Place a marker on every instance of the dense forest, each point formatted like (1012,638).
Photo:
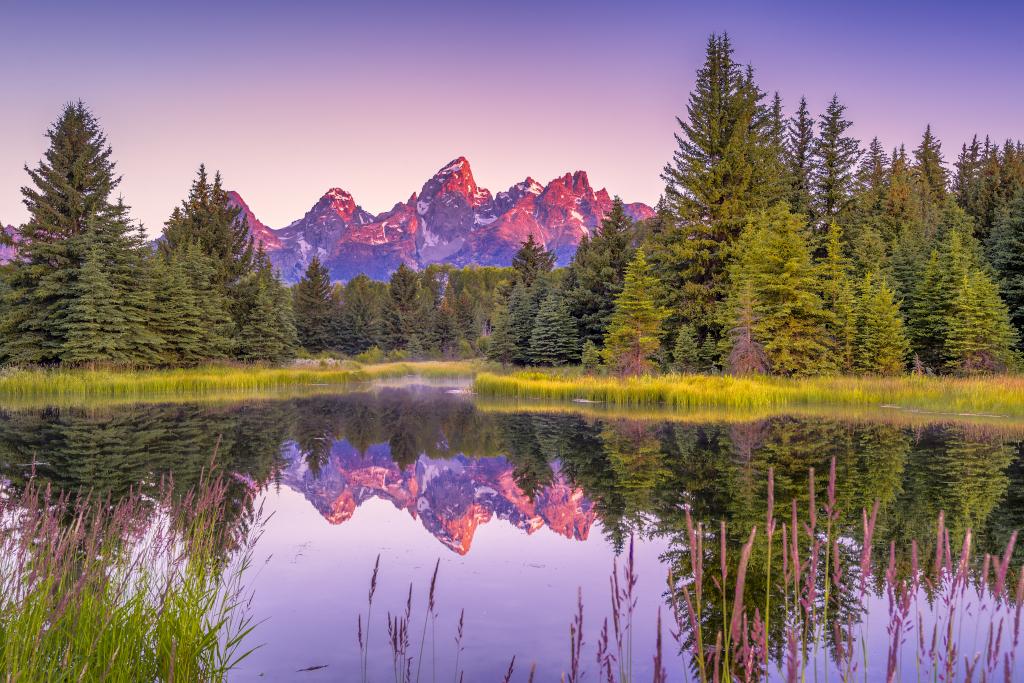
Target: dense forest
(781,245)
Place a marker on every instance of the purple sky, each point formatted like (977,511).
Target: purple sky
(289,99)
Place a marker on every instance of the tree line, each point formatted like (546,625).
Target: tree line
(87,288)
(783,245)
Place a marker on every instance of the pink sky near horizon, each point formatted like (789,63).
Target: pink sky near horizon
(288,101)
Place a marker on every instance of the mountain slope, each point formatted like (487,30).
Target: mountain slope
(451,220)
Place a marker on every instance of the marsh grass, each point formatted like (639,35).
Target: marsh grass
(61,385)
(986,396)
(144,589)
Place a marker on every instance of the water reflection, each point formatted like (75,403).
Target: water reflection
(443,459)
(454,466)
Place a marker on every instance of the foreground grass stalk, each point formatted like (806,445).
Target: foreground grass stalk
(144,589)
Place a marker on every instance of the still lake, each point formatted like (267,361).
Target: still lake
(523,509)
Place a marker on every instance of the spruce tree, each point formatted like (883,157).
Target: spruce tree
(70,194)
(532,261)
(177,313)
(553,340)
(597,272)
(266,331)
(208,218)
(774,291)
(980,338)
(930,309)
(501,346)
(724,167)
(835,159)
(836,291)
(881,345)
(523,304)
(929,166)
(634,334)
(1006,251)
(217,328)
(590,358)
(686,353)
(800,155)
(358,324)
(313,306)
(403,312)
(94,327)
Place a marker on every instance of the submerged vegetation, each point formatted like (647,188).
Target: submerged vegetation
(140,589)
(1003,395)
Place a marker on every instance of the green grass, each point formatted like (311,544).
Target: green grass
(60,385)
(999,395)
(140,590)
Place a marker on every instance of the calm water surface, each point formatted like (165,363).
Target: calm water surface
(524,511)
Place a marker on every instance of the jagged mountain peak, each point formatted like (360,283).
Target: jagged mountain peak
(450,220)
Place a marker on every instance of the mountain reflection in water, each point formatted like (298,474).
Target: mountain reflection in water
(454,467)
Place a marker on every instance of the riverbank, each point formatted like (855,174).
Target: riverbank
(61,385)
(982,397)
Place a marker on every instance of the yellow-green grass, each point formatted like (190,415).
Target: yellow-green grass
(943,396)
(982,425)
(20,386)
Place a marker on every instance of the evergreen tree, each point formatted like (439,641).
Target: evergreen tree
(967,179)
(686,353)
(590,359)
(267,331)
(774,292)
(532,261)
(177,314)
(403,314)
(931,308)
(444,329)
(882,344)
(501,347)
(800,156)
(523,305)
(358,322)
(554,340)
(837,295)
(209,219)
(313,305)
(94,327)
(597,272)
(835,158)
(725,166)
(980,338)
(929,166)
(70,194)
(746,352)
(1006,251)
(217,328)
(634,333)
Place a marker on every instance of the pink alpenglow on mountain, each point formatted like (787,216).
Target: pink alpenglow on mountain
(451,220)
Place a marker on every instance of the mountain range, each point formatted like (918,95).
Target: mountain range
(450,497)
(450,220)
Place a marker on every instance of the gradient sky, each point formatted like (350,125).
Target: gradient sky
(288,99)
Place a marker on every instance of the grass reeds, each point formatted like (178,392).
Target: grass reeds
(84,384)
(998,395)
(139,590)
